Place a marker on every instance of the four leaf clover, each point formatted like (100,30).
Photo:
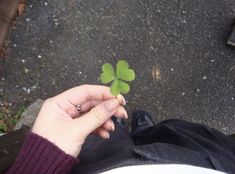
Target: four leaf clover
(119,78)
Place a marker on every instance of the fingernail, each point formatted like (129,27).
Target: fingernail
(111,105)
(112,127)
(121,99)
(125,114)
(107,135)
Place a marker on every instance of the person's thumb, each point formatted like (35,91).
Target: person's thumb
(96,116)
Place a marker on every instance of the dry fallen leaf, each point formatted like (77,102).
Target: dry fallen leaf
(21,9)
(156,74)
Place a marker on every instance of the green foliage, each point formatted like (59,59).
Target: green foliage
(9,117)
(119,78)
(16,117)
(3,127)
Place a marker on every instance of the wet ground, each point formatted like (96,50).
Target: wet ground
(178,48)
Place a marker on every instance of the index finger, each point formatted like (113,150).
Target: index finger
(83,93)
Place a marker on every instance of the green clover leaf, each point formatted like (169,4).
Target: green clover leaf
(123,71)
(123,75)
(108,74)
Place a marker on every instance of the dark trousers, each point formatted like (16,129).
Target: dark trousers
(169,142)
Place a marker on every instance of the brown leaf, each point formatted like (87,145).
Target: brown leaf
(21,9)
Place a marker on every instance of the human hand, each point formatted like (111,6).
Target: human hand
(61,123)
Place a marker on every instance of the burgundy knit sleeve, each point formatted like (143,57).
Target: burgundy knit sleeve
(38,155)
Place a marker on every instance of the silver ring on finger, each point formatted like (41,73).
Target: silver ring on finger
(78,107)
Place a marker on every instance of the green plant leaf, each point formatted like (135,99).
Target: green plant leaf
(123,75)
(108,69)
(108,74)
(115,90)
(126,75)
(121,65)
(13,121)
(106,78)
(123,86)
(3,127)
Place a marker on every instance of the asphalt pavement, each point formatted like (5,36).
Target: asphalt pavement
(178,49)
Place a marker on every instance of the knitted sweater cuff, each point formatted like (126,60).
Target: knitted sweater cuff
(38,155)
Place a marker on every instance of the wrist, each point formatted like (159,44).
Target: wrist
(38,155)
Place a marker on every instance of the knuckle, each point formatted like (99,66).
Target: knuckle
(98,115)
(86,88)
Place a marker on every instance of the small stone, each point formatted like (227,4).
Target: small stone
(34,87)
(23,61)
(80,72)
(28,91)
(232,98)
(56,23)
(29,115)
(39,56)
(204,77)
(30,5)
(212,60)
(183,93)
(27,19)
(45,3)
(172,69)
(3,78)
(198,90)
(50,41)
(26,70)
(14,45)
(224,129)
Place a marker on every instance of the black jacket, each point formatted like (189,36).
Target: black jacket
(169,142)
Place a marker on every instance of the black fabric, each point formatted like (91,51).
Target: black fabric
(169,142)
